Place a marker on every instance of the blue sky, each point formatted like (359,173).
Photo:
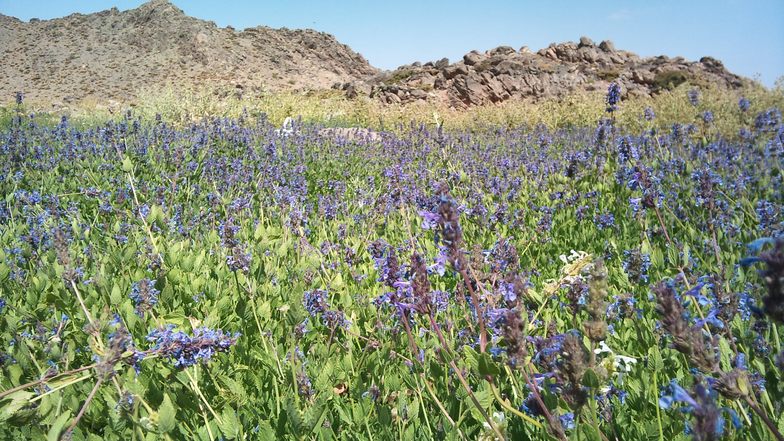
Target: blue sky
(747,35)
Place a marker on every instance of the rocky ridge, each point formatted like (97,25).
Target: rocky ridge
(504,73)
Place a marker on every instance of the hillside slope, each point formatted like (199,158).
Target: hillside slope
(113,55)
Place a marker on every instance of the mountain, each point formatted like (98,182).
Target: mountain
(504,73)
(115,56)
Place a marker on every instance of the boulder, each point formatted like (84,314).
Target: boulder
(455,70)
(351,134)
(590,54)
(472,58)
(417,94)
(585,42)
(509,66)
(643,76)
(607,46)
(501,50)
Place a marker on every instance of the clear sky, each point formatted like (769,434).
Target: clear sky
(748,36)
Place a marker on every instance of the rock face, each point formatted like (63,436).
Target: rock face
(112,55)
(504,73)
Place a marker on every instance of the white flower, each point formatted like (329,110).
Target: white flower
(623,363)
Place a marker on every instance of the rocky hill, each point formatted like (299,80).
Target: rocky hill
(113,55)
(504,73)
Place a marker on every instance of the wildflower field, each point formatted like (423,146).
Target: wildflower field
(226,279)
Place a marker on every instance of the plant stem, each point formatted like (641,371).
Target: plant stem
(45,379)
(475,401)
(440,405)
(505,404)
(84,406)
(765,418)
(62,386)
(195,387)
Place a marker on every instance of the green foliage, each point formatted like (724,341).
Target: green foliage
(151,203)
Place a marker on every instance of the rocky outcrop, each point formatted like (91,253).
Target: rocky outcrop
(504,73)
(114,55)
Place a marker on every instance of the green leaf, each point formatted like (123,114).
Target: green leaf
(295,418)
(127,165)
(485,399)
(18,400)
(487,366)
(657,258)
(229,423)
(384,416)
(313,415)
(590,433)
(15,372)
(266,432)
(57,426)
(725,351)
(471,358)
(167,415)
(655,358)
(116,296)
(590,379)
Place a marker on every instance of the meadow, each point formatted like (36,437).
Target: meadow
(592,269)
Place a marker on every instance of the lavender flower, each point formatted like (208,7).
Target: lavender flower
(694,97)
(649,114)
(449,223)
(386,262)
(187,350)
(689,340)
(743,104)
(144,295)
(429,220)
(613,97)
(604,221)
(636,265)
(514,336)
(316,304)
(707,417)
(596,327)
(773,275)
(420,285)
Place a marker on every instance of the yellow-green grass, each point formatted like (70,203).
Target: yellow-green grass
(331,108)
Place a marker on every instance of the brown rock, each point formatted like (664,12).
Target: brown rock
(455,70)
(607,46)
(641,76)
(469,90)
(442,63)
(472,58)
(586,42)
(502,50)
